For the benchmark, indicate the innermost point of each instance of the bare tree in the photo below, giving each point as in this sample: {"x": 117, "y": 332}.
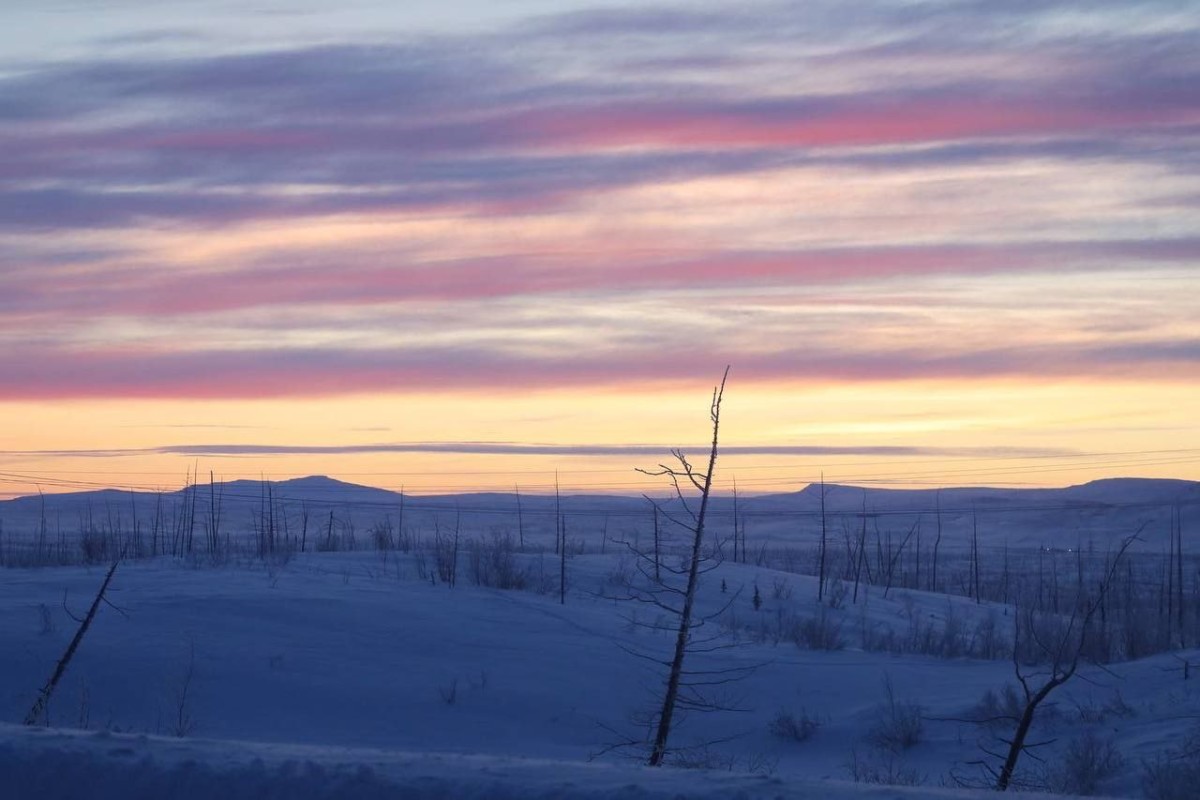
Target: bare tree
{"x": 44, "y": 694}
{"x": 1063, "y": 654}
{"x": 520, "y": 519}
{"x": 214, "y": 514}
{"x": 821, "y": 565}
{"x": 936, "y": 543}
{"x": 701, "y": 481}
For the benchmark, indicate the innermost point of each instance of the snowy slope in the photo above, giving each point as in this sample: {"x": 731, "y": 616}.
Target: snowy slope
{"x": 43, "y": 764}
{"x": 349, "y": 650}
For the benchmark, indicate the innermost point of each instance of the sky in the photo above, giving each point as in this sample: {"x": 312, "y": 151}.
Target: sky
{"x": 475, "y": 245}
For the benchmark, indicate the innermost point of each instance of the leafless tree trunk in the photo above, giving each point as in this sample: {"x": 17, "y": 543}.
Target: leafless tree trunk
{"x": 304, "y": 526}
{"x": 558, "y": 516}
{"x": 861, "y": 551}
{"x": 39, "y": 706}
{"x": 657, "y": 556}
{"x": 735, "y": 522}
{"x": 703, "y": 482}
{"x": 975, "y": 555}
{"x": 1178, "y": 525}
{"x": 821, "y": 565}
{"x": 520, "y": 520}
{"x": 1064, "y": 654}
{"x": 562, "y": 563}
{"x": 894, "y": 558}
{"x": 936, "y": 543}
{"x": 191, "y": 529}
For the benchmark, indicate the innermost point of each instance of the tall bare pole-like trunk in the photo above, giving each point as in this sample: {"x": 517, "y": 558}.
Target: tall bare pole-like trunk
{"x": 975, "y": 554}
{"x": 271, "y": 517}
{"x": 821, "y": 565}
{"x": 916, "y": 582}
{"x": 667, "y": 713}
{"x": 157, "y": 521}
{"x": 191, "y": 532}
{"x": 520, "y": 519}
{"x": 1179, "y": 576}
{"x": 657, "y": 555}
{"x": 862, "y": 548}
{"x": 562, "y": 564}
{"x": 557, "y": 515}
{"x": 303, "y": 526}
{"x": 936, "y": 543}
{"x": 400, "y": 519}
{"x": 735, "y": 522}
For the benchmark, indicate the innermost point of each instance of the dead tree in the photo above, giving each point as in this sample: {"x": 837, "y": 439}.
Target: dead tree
{"x": 702, "y": 482}
{"x": 735, "y": 522}
{"x": 821, "y": 564}
{"x": 975, "y": 556}
{"x": 1063, "y": 653}
{"x": 562, "y": 562}
{"x": 894, "y": 558}
{"x": 214, "y": 515}
{"x": 40, "y": 705}
{"x": 657, "y": 551}
{"x": 520, "y": 519}
{"x": 936, "y": 543}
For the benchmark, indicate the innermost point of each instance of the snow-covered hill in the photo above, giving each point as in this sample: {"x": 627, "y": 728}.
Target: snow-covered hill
{"x": 476, "y": 692}
{"x": 37, "y": 764}
{"x": 1099, "y": 513}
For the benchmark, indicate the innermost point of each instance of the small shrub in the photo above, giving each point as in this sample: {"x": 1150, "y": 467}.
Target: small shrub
{"x": 797, "y": 728}
{"x": 494, "y": 564}
{"x": 821, "y": 632}
{"x": 621, "y": 575}
{"x": 46, "y": 618}
{"x": 898, "y": 725}
{"x": 1174, "y": 775}
{"x": 989, "y": 641}
{"x": 449, "y": 692}
{"x": 760, "y": 764}
{"x": 421, "y": 565}
{"x": 1087, "y": 762}
{"x": 94, "y": 546}
{"x": 1115, "y": 706}
{"x": 701, "y": 758}
{"x": 381, "y": 535}
{"x": 445, "y": 558}
{"x": 884, "y": 769}
{"x": 1170, "y": 778}
{"x": 998, "y": 710}
{"x": 835, "y": 597}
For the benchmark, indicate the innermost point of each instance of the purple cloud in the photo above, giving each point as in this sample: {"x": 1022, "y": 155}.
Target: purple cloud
{"x": 46, "y": 374}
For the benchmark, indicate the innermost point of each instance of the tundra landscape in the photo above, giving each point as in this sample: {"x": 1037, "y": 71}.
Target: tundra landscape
{"x": 599, "y": 399}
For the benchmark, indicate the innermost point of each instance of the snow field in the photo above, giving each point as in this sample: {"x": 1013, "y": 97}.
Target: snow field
{"x": 350, "y": 650}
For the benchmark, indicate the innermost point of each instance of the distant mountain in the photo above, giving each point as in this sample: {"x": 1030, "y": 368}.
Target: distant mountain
{"x": 1105, "y": 492}
{"x": 1098, "y": 511}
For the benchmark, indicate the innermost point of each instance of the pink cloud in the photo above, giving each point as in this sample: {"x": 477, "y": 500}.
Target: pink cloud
{"x": 49, "y": 374}
{"x": 853, "y": 122}
{"x": 336, "y": 278}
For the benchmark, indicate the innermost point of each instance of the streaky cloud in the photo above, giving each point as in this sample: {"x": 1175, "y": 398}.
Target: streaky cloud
{"x": 44, "y": 374}
{"x": 522, "y": 449}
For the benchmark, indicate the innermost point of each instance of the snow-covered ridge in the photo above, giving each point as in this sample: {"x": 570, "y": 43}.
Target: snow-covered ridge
{"x": 1096, "y": 514}
{"x": 48, "y": 764}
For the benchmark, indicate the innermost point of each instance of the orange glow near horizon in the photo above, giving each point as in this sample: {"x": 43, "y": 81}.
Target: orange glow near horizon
{"x": 1002, "y": 433}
